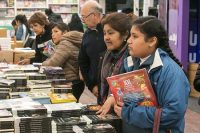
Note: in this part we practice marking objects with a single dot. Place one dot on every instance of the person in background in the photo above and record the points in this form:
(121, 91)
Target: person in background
(116, 27)
(149, 48)
(40, 25)
(65, 55)
(92, 44)
(75, 24)
(14, 25)
(22, 27)
(196, 82)
(53, 17)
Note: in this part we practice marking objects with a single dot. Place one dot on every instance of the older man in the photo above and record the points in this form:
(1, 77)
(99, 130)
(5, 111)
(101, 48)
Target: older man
(92, 44)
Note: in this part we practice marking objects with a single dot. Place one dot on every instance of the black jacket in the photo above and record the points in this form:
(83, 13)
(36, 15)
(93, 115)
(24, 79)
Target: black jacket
(92, 46)
(197, 80)
(39, 45)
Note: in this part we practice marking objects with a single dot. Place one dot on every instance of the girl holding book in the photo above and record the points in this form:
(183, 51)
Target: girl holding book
(148, 45)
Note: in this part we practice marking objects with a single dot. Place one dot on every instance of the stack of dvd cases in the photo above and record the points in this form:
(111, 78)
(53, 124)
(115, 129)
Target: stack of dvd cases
(112, 119)
(53, 72)
(6, 86)
(65, 125)
(64, 110)
(33, 124)
(95, 128)
(7, 125)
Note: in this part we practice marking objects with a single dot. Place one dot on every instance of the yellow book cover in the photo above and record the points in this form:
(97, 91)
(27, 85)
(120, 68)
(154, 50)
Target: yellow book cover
(62, 97)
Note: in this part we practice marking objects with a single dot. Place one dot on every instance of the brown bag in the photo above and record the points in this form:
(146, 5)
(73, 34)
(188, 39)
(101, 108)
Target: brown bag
(156, 123)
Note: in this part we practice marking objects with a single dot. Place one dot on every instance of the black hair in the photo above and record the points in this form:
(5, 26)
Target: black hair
(23, 20)
(48, 11)
(13, 23)
(118, 21)
(61, 26)
(75, 23)
(152, 27)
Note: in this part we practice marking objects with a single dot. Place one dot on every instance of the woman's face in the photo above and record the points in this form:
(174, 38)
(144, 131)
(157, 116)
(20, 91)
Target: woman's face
(56, 35)
(112, 38)
(138, 47)
(37, 28)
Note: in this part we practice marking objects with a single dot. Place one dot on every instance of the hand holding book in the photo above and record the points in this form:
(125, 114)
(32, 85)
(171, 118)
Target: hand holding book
(133, 86)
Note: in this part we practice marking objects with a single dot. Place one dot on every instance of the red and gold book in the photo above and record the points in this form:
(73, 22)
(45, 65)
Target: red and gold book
(135, 82)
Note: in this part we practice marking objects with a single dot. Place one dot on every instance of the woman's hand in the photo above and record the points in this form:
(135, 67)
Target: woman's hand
(24, 62)
(107, 106)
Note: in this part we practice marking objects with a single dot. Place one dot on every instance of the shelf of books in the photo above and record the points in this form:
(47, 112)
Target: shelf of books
(29, 7)
(7, 9)
(64, 7)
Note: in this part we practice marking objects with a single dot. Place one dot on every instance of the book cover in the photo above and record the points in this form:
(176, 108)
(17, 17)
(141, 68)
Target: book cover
(62, 98)
(135, 82)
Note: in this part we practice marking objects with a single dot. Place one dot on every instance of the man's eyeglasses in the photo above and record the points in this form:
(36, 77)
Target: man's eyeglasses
(84, 17)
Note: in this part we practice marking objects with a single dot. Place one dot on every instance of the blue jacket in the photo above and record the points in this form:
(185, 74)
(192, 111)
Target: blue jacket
(172, 89)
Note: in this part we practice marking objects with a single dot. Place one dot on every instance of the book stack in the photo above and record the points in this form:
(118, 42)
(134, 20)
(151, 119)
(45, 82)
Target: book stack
(36, 76)
(65, 125)
(95, 128)
(7, 125)
(64, 110)
(39, 84)
(53, 72)
(5, 88)
(30, 108)
(111, 119)
(33, 124)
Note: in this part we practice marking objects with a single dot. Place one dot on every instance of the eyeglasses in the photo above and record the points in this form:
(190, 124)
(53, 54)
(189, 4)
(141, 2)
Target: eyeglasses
(84, 17)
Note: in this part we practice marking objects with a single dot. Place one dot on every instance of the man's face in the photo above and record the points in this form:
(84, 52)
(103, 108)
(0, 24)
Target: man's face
(88, 17)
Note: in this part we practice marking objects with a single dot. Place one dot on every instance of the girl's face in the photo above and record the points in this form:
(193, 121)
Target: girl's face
(37, 28)
(137, 45)
(56, 35)
(112, 38)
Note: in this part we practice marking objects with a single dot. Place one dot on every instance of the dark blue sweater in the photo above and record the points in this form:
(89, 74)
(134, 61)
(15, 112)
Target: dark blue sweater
(92, 46)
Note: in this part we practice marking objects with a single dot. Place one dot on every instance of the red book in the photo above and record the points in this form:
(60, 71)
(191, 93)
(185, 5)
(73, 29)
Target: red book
(136, 82)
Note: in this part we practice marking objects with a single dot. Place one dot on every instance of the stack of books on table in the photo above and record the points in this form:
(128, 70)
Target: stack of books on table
(111, 119)
(94, 128)
(33, 124)
(65, 125)
(5, 88)
(64, 110)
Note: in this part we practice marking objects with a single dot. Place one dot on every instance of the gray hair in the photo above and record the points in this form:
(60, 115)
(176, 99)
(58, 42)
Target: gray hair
(94, 6)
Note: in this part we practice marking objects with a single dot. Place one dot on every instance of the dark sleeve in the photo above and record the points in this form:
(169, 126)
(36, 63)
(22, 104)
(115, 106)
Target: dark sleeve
(38, 56)
(196, 82)
(84, 64)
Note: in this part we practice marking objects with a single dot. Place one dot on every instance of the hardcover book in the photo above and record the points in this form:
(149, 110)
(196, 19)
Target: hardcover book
(136, 84)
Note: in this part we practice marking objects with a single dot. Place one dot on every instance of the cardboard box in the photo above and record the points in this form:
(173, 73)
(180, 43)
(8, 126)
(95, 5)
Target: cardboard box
(3, 32)
(16, 44)
(6, 56)
(23, 54)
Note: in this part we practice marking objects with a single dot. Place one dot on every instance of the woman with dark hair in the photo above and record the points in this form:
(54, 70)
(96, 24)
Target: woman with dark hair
(22, 27)
(116, 27)
(149, 47)
(75, 23)
(65, 55)
(40, 25)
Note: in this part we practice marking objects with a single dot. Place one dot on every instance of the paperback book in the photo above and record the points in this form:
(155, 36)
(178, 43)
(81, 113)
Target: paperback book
(133, 84)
